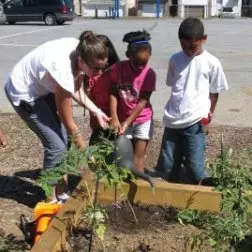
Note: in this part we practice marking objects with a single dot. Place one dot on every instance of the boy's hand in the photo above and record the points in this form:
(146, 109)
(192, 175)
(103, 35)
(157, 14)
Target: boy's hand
(115, 125)
(2, 140)
(207, 129)
(210, 118)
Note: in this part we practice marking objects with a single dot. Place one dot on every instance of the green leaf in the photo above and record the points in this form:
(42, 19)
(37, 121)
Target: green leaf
(212, 242)
(100, 231)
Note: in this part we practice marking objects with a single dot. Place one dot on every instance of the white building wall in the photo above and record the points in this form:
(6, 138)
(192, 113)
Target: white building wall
(101, 12)
(77, 7)
(149, 10)
(194, 2)
(182, 3)
(215, 8)
(130, 3)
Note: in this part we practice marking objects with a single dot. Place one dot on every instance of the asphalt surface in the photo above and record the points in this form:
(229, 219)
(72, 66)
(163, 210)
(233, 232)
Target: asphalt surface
(228, 39)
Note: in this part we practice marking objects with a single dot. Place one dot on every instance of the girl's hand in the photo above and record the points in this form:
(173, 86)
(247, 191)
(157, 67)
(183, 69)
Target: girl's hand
(115, 124)
(124, 127)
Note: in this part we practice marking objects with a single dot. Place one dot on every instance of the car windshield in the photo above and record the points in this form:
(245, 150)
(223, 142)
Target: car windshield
(68, 3)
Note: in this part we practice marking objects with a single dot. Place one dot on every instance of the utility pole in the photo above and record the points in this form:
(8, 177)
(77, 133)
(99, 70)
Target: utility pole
(158, 8)
(116, 9)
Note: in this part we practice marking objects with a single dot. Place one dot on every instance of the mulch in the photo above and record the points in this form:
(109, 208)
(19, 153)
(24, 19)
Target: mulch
(21, 162)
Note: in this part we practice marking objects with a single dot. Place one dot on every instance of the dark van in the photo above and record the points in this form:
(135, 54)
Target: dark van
(50, 11)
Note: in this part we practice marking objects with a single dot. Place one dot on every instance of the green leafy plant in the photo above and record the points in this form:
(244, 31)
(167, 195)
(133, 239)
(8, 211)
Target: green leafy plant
(72, 163)
(233, 225)
(100, 159)
(96, 218)
(194, 217)
(233, 180)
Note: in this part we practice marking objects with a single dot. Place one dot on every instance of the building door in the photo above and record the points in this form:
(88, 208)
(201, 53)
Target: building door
(193, 11)
(246, 8)
(173, 10)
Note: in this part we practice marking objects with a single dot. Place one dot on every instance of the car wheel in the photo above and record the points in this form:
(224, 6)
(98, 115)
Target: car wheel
(11, 22)
(60, 22)
(50, 19)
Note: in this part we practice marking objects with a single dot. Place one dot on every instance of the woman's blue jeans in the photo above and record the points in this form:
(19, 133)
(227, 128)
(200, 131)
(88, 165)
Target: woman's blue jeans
(187, 146)
(42, 118)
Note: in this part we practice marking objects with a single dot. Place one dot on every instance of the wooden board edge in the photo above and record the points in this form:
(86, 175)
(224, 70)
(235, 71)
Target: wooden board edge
(170, 194)
(53, 239)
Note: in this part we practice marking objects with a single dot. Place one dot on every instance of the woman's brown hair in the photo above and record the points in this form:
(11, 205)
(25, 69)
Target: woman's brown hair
(91, 47)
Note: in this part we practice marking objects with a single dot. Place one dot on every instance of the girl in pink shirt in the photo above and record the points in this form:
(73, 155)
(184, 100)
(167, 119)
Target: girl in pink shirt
(133, 82)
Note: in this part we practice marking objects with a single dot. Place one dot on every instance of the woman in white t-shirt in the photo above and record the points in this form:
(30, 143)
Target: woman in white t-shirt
(42, 84)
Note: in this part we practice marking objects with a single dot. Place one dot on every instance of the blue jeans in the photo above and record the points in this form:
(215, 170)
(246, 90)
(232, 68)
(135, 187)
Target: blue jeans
(42, 118)
(187, 146)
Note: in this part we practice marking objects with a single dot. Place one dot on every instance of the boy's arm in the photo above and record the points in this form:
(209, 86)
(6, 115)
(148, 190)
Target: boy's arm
(218, 83)
(143, 99)
(113, 108)
(213, 98)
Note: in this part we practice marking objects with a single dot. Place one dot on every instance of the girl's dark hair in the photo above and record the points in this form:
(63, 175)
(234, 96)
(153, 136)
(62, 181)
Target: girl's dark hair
(91, 47)
(112, 54)
(138, 40)
(191, 28)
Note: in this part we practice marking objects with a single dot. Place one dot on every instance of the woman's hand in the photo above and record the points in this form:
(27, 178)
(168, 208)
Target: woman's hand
(2, 140)
(102, 119)
(80, 143)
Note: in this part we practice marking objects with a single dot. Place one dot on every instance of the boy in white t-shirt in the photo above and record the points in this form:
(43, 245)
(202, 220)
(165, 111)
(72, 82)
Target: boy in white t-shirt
(196, 77)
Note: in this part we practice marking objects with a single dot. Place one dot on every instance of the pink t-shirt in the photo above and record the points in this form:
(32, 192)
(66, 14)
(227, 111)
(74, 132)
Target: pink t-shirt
(130, 84)
(100, 87)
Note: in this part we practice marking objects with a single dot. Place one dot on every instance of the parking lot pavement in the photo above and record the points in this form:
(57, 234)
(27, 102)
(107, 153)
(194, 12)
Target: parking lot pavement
(228, 39)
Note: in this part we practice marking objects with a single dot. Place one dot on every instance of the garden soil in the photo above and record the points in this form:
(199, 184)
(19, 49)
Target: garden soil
(154, 230)
(21, 160)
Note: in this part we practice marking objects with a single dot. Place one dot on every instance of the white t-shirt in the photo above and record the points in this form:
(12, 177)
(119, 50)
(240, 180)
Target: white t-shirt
(28, 79)
(191, 80)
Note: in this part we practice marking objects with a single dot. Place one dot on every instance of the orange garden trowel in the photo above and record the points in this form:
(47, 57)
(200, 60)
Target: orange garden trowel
(43, 214)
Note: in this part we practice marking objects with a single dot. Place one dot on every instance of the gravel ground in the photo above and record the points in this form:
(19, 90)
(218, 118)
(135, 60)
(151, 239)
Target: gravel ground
(21, 161)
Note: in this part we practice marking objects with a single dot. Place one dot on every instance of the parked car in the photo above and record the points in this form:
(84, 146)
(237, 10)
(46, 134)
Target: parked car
(50, 11)
(2, 15)
(227, 12)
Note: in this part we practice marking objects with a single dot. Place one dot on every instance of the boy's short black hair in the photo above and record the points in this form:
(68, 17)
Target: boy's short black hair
(191, 28)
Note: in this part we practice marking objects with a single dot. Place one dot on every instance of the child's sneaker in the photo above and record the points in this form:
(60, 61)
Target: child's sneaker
(63, 197)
